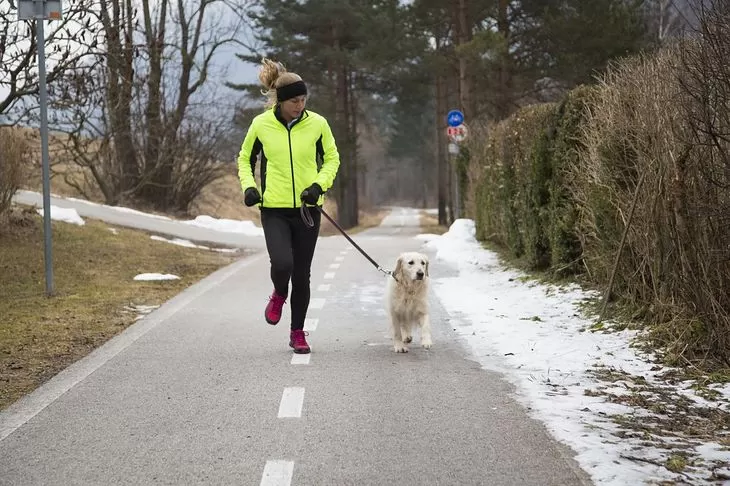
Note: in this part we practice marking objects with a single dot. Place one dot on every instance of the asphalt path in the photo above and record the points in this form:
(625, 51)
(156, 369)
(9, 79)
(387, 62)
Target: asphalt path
(203, 391)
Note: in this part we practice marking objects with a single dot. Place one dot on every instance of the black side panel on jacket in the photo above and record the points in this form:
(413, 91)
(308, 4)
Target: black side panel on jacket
(320, 153)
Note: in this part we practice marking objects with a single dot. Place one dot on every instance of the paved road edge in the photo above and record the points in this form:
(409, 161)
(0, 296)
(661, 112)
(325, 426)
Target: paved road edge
(27, 407)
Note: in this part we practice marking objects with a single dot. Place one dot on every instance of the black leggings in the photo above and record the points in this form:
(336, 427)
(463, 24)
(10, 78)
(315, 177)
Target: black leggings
(291, 245)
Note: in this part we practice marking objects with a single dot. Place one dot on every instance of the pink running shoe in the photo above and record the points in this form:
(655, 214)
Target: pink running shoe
(298, 341)
(273, 308)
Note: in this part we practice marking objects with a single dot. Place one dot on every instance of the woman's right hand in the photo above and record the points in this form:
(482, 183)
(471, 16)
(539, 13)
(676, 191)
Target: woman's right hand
(251, 196)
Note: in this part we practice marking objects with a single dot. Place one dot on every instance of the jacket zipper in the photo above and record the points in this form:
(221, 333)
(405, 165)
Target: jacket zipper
(291, 163)
(291, 154)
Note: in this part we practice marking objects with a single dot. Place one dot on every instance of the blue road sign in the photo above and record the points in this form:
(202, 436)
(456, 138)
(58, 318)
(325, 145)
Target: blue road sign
(455, 118)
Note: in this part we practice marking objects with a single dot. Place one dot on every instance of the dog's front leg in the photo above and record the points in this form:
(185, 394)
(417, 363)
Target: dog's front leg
(425, 323)
(406, 331)
(396, 327)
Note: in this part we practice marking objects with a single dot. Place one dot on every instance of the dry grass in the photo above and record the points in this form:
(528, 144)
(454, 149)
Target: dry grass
(64, 178)
(224, 199)
(430, 224)
(93, 274)
(663, 419)
(65, 174)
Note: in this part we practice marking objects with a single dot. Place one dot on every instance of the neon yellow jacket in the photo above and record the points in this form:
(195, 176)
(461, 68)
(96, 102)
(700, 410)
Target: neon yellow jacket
(288, 157)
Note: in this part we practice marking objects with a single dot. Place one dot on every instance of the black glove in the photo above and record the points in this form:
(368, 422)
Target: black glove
(251, 196)
(311, 194)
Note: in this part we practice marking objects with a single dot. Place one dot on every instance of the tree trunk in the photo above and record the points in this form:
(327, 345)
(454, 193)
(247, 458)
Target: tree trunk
(464, 36)
(346, 181)
(120, 76)
(163, 126)
(154, 190)
(340, 131)
(441, 156)
(347, 203)
(503, 103)
(355, 174)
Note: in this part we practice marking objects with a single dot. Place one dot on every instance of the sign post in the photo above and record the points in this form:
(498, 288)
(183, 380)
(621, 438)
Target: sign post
(455, 118)
(457, 132)
(41, 10)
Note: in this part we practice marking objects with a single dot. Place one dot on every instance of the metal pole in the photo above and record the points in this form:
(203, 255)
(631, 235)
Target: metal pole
(457, 204)
(48, 249)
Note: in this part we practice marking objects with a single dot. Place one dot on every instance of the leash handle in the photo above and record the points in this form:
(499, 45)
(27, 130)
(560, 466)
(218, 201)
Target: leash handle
(306, 216)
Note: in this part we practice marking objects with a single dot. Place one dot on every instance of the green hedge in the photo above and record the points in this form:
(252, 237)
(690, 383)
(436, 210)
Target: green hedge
(522, 196)
(557, 187)
(564, 145)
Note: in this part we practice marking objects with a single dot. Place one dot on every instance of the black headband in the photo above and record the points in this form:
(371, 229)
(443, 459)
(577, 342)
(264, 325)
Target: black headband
(290, 91)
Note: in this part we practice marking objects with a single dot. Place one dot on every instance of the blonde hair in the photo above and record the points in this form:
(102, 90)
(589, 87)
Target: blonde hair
(274, 75)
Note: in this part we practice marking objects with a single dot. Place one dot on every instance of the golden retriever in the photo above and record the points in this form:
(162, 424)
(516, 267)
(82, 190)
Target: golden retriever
(407, 301)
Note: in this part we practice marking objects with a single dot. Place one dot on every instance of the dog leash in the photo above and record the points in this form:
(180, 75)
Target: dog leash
(307, 218)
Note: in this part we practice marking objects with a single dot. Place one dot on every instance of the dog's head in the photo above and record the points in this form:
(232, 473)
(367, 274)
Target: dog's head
(411, 266)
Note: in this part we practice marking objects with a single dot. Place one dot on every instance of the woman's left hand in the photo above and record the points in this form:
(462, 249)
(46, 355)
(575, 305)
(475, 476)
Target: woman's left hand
(311, 194)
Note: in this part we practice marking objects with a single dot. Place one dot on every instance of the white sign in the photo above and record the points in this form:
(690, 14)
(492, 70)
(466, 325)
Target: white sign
(44, 9)
(457, 134)
(454, 149)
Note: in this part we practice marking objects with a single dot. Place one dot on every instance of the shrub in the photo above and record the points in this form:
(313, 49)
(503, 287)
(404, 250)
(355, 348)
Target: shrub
(652, 149)
(566, 144)
(628, 179)
(506, 186)
(14, 152)
(700, 189)
(631, 136)
(517, 182)
(533, 197)
(473, 165)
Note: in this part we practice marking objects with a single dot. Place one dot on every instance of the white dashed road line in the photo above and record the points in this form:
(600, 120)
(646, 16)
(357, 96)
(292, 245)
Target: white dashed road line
(277, 473)
(292, 401)
(300, 359)
(310, 323)
(316, 302)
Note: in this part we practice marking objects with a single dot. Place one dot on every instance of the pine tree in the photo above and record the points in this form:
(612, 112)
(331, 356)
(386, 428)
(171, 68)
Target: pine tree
(332, 45)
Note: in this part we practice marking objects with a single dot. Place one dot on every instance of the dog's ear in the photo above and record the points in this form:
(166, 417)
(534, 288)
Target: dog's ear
(398, 267)
(427, 262)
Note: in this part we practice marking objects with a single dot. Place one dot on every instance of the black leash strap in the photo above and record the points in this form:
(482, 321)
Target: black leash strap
(307, 217)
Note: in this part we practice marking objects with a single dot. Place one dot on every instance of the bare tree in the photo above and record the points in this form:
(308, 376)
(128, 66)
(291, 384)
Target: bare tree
(701, 179)
(117, 20)
(100, 144)
(134, 108)
(668, 18)
(181, 43)
(18, 55)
